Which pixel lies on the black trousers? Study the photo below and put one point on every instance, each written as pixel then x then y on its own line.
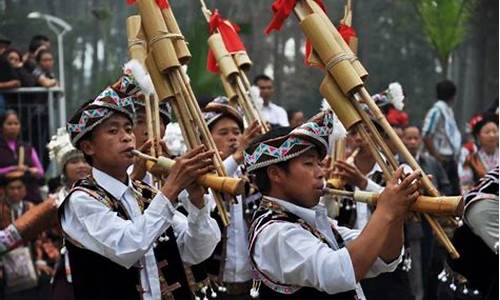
pixel 451 168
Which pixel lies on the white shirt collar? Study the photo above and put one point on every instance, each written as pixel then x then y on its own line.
pixel 315 216
pixel 111 184
pixel 307 214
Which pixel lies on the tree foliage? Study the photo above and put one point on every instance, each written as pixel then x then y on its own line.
pixel 445 23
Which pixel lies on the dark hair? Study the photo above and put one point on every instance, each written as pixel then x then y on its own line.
pixel 413 125
pixel 261 77
pixel 259 176
pixel 10 50
pixel 5 115
pixel 37 41
pixel 445 90
pixel 41 53
pixel 487 118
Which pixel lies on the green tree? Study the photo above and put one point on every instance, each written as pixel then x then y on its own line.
pixel 445 23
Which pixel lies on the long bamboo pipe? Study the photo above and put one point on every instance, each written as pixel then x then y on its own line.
pixel 441 206
pixel 230 185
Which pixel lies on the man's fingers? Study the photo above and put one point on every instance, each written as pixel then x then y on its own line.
pixel 198 149
pixel 410 178
pixel 202 156
pixel 397 175
pixel 413 197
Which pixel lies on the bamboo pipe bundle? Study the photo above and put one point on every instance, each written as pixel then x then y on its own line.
pixel 349 82
pixel 232 68
pixel 225 62
pixel 440 206
pixel 138 51
pixel 242 60
pixel 338 150
pixel 180 45
pixel 159 39
pixel 350 51
pixel 230 185
pixel 167 76
pixel 136 43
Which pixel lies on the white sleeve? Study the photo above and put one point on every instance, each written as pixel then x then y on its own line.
pixel 99 229
pixel 198 234
pixel 230 165
pixel 372 186
pixel 287 253
pixel 482 218
pixel 379 266
pixel 283 120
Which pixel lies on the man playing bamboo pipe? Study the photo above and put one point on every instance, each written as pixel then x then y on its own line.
pixel 226 127
pixel 296 250
pixel 126 230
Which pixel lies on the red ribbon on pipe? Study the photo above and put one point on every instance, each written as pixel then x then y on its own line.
pixel 347 32
pixel 229 32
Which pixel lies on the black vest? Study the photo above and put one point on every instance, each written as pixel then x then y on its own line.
pixel 477 262
pixel 259 221
pixel 97 277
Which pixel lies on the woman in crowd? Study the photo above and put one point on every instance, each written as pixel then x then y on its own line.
pixel 485 132
pixel 14 57
pixel 44 71
pixel 16 155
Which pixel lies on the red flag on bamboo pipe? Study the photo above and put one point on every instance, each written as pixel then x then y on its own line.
pixel 281 10
pixel 229 32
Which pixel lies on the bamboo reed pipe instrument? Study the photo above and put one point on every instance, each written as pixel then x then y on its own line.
pixel 167 52
pixel 338 149
pixel 232 70
pixel 440 206
pixel 230 185
pixel 343 88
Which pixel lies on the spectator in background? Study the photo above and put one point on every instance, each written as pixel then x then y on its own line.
pixel 412 138
pixel 43 73
pixel 14 57
pixel 12 149
pixel 272 113
pixel 8 79
pixel 485 132
pixel 295 117
pixel 37 43
pixel 14 206
pixel 441 135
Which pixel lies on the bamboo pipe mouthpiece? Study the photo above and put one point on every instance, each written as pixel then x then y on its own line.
pixel 158 36
pixel 136 39
pixel 229 185
pixel 224 60
pixel 180 45
pixel 242 60
pixel 162 86
pixel 442 206
pixel 335 60
pixel 339 103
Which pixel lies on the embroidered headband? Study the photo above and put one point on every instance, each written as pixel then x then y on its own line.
pixel 313 133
